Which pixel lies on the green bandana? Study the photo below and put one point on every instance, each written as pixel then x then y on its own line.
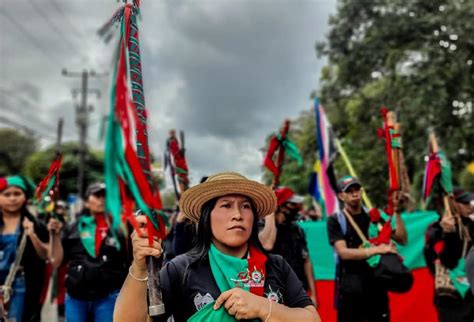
pixel 229 272
pixel 459 278
pixel 87 226
pixel 23 183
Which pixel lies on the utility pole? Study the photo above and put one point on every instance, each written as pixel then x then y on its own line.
pixel 82 119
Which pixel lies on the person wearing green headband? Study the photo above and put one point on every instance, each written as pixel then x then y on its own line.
pixel 16 220
pixel 228 275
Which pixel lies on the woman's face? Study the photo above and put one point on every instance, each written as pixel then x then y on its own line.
pixel 12 199
pixel 96 203
pixel 232 220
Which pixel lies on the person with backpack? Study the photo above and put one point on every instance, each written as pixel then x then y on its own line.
pixel 358 296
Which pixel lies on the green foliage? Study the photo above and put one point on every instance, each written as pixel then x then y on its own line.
pixel 15 147
pixel 414 57
pixel 466 180
pixel 38 164
pixel 393 53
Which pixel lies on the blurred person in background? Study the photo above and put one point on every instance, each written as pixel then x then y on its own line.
pixel 444 254
pixel 282 235
pixel 16 220
pixel 97 259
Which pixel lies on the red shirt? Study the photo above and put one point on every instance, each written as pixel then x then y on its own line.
pixel 100 231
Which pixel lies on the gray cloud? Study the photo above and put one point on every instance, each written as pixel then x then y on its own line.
pixel 227 72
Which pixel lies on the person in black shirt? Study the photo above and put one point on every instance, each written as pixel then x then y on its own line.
pixel 443 250
pixel 97 259
pixel 282 235
pixel 358 297
pixel 227 275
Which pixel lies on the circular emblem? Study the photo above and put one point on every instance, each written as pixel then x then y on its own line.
pixel 273 296
pixel 256 276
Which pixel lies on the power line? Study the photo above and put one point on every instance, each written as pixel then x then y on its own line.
pixel 27 34
pixel 37 121
pixel 40 11
pixel 58 8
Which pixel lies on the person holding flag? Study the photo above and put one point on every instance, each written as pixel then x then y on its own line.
pixel 359 298
pixel 19 227
pixel 444 255
pixel 227 276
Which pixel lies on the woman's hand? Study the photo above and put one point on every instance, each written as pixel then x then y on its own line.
pixel 242 304
pixel 386 248
pixel 28 227
pixel 142 248
pixel 55 226
pixel 448 224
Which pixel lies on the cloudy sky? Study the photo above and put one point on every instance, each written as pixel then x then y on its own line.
pixel 226 72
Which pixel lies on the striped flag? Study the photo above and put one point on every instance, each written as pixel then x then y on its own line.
pixel 322 184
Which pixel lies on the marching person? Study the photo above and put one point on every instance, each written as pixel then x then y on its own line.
pixel 358 297
pixel 227 275
pixel 444 251
pixel 282 235
pixel 16 220
pixel 97 260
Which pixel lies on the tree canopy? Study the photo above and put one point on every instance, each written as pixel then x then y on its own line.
pixel 414 57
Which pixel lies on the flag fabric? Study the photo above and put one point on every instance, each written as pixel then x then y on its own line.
pixel 322 185
pixel 127 160
pixel 437 170
pixel 419 298
pixel 46 192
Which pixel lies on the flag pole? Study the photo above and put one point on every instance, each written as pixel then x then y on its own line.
pixel 352 172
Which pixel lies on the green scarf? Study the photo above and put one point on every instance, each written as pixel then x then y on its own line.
pixel 230 272
pixel 459 278
pixel 87 226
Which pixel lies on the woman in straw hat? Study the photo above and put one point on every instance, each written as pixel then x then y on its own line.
pixel 227 275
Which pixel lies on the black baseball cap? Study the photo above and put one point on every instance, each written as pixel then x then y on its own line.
pixel 346 182
pixel 462 196
pixel 95 188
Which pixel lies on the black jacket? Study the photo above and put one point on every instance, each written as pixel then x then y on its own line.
pixel 92 278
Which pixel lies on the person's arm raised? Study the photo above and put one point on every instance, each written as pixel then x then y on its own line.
pixel 131 304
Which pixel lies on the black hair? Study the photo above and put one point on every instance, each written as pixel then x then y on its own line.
pixel 24 213
pixel 204 232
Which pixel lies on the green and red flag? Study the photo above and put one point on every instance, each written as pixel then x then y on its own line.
pixel 46 192
pixel 438 169
pixel 176 161
pixel 127 158
pixel 280 144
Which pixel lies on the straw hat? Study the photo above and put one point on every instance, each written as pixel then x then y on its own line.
pixel 222 184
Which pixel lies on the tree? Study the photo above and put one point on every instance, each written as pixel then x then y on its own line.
pixel 38 163
pixel 15 147
pixel 415 57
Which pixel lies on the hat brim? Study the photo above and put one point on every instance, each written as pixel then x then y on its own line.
pixel 193 199
pixel 344 189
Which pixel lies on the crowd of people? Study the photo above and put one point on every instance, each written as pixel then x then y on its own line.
pixel 234 250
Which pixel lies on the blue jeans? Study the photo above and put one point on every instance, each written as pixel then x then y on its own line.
pixel 17 300
pixel 101 310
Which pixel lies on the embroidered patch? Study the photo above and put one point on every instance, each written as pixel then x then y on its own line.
pixel 274 296
pixel 257 279
pixel 201 301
